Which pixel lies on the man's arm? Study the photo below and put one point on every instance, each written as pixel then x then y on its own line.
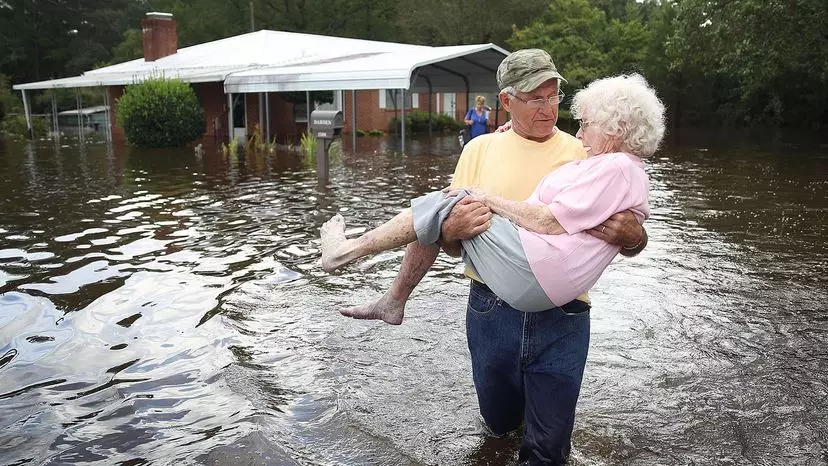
pixel 622 229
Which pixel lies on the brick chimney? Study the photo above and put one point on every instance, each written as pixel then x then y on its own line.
pixel 160 36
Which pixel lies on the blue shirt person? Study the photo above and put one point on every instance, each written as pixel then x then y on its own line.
pixel 478 117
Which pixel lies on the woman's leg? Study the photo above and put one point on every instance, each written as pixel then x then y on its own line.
pixel 391 306
pixel 422 222
pixel 337 250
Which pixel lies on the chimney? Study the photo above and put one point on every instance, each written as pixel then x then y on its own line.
pixel 160 35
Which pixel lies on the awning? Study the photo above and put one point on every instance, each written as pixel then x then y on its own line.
pixel 433 68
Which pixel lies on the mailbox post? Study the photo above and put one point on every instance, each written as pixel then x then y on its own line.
pixel 324 125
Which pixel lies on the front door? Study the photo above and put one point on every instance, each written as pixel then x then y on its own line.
pixel 450 104
pixel 239 118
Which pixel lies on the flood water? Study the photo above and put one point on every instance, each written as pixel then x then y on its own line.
pixel 159 307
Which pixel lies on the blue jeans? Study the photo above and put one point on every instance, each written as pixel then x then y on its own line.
pixel 528 367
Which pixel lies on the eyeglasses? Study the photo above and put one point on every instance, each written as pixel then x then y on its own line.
pixel 583 123
pixel 540 103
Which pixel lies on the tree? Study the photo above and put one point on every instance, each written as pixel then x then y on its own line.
pixel 584 44
pixel 767 60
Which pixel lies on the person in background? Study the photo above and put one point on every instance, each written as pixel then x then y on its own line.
pixel 477 118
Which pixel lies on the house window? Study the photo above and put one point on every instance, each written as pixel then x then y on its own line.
pixel 393 99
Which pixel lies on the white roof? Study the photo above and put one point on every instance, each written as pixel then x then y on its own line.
pixel 446 68
pixel 275 61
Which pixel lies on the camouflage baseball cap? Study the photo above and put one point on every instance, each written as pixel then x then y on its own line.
pixel 526 69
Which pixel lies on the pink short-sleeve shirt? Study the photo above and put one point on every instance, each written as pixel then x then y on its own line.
pixel 581 195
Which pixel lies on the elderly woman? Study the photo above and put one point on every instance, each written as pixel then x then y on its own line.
pixel 536 254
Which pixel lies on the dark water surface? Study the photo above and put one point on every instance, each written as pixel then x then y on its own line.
pixel 158 307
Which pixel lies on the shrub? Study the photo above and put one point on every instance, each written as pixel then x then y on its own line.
pixel 15 125
pixel 375 132
pixel 417 122
pixel 160 113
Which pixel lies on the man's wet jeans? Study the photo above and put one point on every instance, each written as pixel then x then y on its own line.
pixel 528 366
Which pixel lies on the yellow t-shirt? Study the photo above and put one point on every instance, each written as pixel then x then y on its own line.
pixel 510 166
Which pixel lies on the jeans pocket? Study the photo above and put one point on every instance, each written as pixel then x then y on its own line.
pixel 481 302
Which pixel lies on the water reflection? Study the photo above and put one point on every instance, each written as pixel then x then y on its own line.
pixel 166 307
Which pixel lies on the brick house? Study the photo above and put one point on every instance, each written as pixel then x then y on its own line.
pixel 242 81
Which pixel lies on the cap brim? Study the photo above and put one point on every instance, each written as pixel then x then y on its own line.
pixel 531 83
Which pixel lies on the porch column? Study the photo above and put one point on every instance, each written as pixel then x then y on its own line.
pixel 353 121
pixel 229 117
pixel 261 115
pixel 267 115
pixel 403 120
pixel 308 105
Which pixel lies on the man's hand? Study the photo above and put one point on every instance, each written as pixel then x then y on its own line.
pixel 622 229
pixel 467 219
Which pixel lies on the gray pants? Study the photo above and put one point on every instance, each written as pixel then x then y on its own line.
pixel 496 255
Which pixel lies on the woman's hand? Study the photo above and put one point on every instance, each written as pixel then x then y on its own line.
pixel 474 193
pixel 622 229
pixel 504 127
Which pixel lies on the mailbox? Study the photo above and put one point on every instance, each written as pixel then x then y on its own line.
pixel 325 124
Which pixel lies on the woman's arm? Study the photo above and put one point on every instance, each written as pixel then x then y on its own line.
pixel 533 217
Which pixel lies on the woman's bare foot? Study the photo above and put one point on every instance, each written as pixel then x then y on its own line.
pixel 387 309
pixel 335 247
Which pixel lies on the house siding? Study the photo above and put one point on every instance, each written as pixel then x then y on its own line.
pixel 282 125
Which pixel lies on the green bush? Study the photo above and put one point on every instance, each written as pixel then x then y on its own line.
pixel 417 122
pixel 10 101
pixel 375 132
pixel 15 125
pixel 160 113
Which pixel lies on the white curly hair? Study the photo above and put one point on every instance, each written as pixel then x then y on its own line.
pixel 625 106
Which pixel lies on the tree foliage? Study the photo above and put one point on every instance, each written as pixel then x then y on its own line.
pixel 160 113
pixel 739 61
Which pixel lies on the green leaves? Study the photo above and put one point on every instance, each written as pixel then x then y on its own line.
pixel 160 113
pixel 584 43
pixel 756 61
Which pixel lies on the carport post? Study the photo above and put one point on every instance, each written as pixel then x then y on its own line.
pixel 229 118
pixel 28 114
pixel 353 121
pixel 497 111
pixel 80 117
pixel 430 94
pixel 55 121
pixel 107 115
